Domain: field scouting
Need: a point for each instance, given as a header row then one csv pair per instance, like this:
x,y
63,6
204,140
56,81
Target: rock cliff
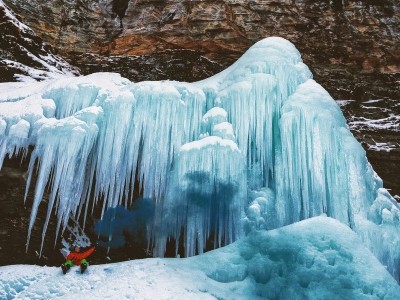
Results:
x,y
362,34
24,55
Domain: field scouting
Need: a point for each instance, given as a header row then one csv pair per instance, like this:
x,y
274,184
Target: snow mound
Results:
x,y
319,258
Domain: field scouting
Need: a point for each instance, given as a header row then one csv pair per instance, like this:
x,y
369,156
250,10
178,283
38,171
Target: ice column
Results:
x,y
207,191
253,91
321,168
251,107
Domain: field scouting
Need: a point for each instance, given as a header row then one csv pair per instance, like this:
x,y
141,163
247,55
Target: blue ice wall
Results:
x,y
258,146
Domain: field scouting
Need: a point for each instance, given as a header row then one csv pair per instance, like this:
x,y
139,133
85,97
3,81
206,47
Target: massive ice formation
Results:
x,y
260,132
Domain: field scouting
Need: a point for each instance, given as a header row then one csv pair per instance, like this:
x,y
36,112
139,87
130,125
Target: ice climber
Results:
x,y
77,258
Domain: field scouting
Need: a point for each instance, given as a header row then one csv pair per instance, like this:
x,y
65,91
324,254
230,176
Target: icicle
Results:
x,y
67,142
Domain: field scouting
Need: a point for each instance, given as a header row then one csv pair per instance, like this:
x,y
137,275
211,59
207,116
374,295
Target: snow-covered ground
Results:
x,y
319,258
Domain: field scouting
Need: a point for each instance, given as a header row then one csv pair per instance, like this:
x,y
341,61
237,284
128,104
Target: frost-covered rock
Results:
x,y
24,56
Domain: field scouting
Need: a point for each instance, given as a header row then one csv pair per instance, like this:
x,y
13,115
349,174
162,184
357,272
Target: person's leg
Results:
x,y
69,263
66,266
84,265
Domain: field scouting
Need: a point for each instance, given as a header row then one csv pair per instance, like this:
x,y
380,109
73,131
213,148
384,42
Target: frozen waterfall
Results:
x,y
256,147
210,178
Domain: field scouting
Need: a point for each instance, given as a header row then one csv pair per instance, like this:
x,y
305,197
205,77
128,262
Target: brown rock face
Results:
x,y
362,34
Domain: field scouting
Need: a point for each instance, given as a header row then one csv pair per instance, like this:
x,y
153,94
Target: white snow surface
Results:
x,y
318,258
93,136
210,141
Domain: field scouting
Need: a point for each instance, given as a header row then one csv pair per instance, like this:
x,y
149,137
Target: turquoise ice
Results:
x,y
259,146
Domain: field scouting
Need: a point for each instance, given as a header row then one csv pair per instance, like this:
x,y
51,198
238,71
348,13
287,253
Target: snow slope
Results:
x,y
318,258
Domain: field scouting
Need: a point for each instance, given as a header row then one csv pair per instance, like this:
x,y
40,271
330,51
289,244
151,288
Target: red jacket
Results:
x,y
77,257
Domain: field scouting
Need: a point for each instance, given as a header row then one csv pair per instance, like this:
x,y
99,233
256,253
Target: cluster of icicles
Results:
x,y
204,152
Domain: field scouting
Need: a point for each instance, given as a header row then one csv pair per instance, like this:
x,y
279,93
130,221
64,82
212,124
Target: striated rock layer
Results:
x,y
362,34
352,47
